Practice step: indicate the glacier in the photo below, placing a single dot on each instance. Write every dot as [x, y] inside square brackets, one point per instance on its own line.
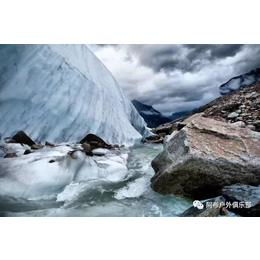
[240, 81]
[60, 93]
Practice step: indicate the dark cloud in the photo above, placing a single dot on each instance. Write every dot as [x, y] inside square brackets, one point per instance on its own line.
[186, 57]
[177, 77]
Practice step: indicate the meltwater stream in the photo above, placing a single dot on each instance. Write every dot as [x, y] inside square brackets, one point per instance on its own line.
[131, 197]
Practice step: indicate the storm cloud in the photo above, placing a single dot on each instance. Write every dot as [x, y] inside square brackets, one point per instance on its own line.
[176, 77]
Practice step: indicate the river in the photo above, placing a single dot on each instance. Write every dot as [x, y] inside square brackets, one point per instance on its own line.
[131, 197]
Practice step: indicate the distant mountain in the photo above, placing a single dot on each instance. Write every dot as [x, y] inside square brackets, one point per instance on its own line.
[240, 81]
[152, 117]
[178, 115]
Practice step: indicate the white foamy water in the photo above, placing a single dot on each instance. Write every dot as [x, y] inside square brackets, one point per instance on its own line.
[125, 192]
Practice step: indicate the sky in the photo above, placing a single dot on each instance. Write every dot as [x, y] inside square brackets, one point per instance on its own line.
[176, 77]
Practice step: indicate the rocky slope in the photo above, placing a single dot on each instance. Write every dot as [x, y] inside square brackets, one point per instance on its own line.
[61, 93]
[240, 81]
[217, 146]
[241, 107]
[152, 117]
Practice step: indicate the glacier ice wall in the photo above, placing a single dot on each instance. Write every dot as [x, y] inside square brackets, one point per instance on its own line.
[61, 93]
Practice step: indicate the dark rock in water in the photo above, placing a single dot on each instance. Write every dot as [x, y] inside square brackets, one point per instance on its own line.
[95, 142]
[87, 149]
[22, 137]
[156, 139]
[243, 199]
[162, 134]
[27, 151]
[217, 208]
[205, 156]
[10, 155]
[51, 161]
[166, 128]
[37, 146]
[49, 144]
[153, 137]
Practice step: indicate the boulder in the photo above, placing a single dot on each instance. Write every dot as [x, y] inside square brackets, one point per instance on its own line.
[239, 124]
[27, 151]
[95, 142]
[87, 149]
[37, 146]
[23, 138]
[155, 139]
[243, 199]
[205, 156]
[10, 155]
[232, 115]
[49, 144]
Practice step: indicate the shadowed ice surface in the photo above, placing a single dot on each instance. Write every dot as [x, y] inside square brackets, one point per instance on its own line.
[130, 197]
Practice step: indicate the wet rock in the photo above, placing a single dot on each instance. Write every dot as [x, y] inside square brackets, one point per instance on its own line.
[27, 151]
[22, 137]
[10, 155]
[243, 199]
[37, 146]
[205, 156]
[155, 139]
[49, 144]
[51, 161]
[216, 209]
[166, 128]
[223, 212]
[87, 149]
[95, 142]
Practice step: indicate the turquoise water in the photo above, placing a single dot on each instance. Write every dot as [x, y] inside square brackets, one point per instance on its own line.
[131, 197]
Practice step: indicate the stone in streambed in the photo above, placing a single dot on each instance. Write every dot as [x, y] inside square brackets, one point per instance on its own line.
[49, 144]
[27, 151]
[37, 146]
[245, 199]
[10, 155]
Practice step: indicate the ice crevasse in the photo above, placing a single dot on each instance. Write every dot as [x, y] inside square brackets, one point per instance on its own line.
[60, 93]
